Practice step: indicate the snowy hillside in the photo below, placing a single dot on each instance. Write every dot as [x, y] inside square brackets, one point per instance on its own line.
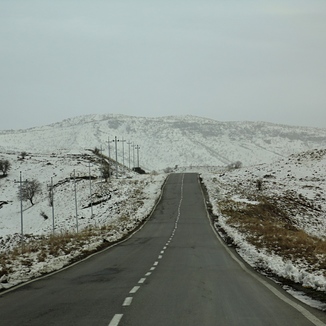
[107, 197]
[168, 141]
[272, 209]
[102, 212]
[274, 214]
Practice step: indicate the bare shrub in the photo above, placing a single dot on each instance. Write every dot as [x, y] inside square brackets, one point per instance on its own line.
[5, 166]
[29, 189]
[234, 165]
[259, 184]
[44, 215]
[105, 170]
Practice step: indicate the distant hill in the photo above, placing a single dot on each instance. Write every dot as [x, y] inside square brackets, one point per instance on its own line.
[168, 141]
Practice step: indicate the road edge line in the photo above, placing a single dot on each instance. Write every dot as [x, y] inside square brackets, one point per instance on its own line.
[307, 314]
[15, 287]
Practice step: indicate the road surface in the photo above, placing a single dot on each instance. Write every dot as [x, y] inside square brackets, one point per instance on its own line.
[174, 271]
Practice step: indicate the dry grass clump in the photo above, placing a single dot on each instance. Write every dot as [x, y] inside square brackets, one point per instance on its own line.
[4, 265]
[43, 247]
[268, 226]
[66, 242]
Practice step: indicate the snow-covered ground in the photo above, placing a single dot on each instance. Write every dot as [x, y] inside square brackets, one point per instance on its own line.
[118, 207]
[168, 141]
[295, 188]
[295, 185]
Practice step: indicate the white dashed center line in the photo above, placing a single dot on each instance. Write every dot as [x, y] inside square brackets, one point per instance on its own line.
[115, 320]
[127, 301]
[134, 289]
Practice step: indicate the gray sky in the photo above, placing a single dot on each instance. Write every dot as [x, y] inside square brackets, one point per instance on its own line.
[225, 60]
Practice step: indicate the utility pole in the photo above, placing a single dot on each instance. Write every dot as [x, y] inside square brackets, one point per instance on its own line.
[133, 155]
[109, 152]
[102, 163]
[137, 148]
[52, 204]
[21, 206]
[116, 156]
[109, 147]
[90, 187]
[76, 200]
[123, 153]
[129, 143]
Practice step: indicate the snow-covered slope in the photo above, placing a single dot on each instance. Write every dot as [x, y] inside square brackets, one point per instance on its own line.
[289, 161]
[168, 141]
[102, 212]
[280, 226]
[107, 197]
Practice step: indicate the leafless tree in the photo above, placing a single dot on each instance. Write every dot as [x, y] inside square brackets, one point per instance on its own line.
[105, 171]
[237, 165]
[259, 184]
[29, 189]
[234, 165]
[5, 166]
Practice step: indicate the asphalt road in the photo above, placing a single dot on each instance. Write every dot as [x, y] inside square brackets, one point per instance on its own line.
[174, 271]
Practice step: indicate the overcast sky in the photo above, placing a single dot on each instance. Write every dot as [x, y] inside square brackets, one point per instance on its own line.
[222, 59]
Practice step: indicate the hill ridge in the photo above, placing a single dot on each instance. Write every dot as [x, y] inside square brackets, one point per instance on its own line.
[169, 141]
